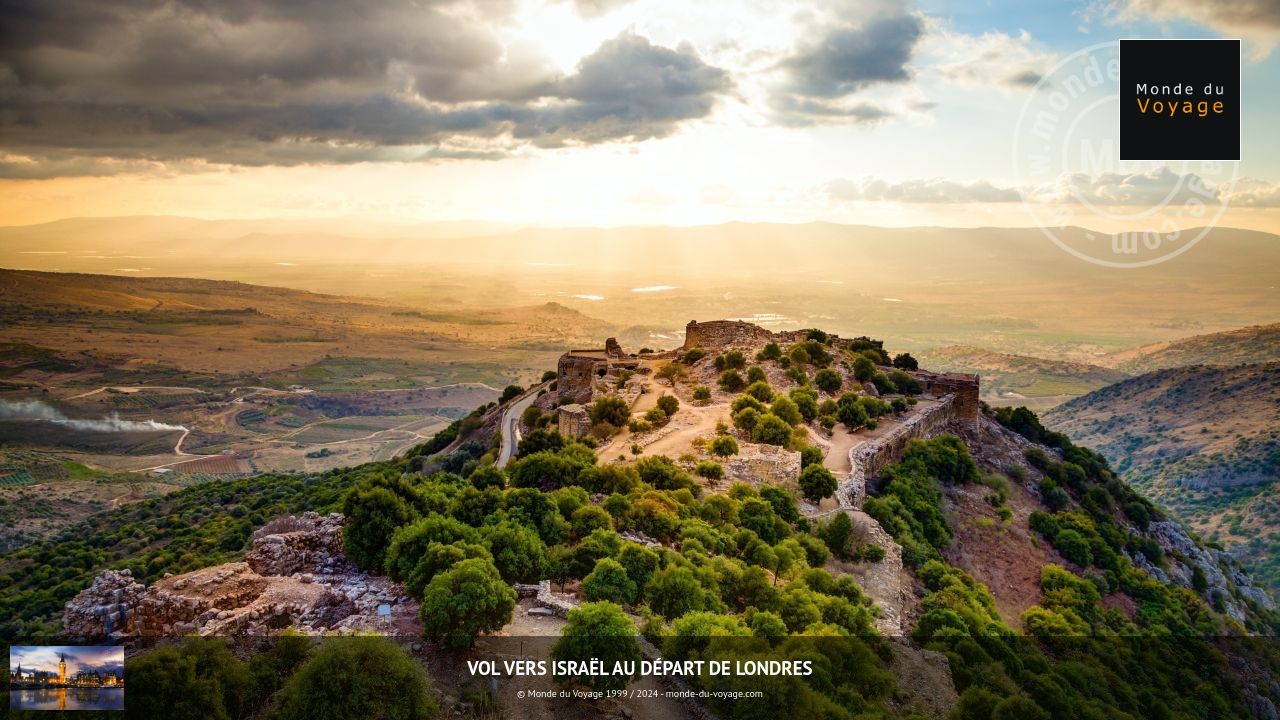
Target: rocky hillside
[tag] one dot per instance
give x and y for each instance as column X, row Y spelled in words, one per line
column 1202, row 441
column 1250, row 345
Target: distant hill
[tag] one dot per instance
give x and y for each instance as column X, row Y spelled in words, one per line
column 1255, row 344
column 159, row 326
column 1019, row 379
column 1202, row 440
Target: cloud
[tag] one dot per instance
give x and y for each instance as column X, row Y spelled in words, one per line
column 36, row 410
column 1252, row 193
column 1255, row 20
column 88, row 88
column 934, row 190
column 1160, row 186
column 821, row 76
column 992, row 59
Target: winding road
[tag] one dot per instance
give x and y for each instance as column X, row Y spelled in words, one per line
column 511, row 420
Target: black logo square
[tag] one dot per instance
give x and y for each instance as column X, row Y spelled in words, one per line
column 1180, row 99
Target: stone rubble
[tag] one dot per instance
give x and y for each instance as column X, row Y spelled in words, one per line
column 294, row 576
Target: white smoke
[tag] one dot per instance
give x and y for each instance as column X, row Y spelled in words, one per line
column 36, row 410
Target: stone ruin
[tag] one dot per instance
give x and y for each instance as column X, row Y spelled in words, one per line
column 294, row 575
column 573, row 421
column 578, row 371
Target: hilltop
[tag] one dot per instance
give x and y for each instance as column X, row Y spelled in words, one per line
column 1200, row 440
column 1254, row 344
column 838, row 492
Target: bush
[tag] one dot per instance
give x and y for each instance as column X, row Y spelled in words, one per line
column 461, row 603
column 518, row 553
column 357, row 677
column 1074, row 547
column 905, row 362
column 709, row 470
column 487, row 476
column 609, row 581
column 836, row 534
column 675, row 591
column 761, row 391
column 437, row 558
column 669, row 404
column 785, row 408
column 598, row 631
column 771, row 430
column 755, row 374
column 702, row 393
column 817, row 482
column 655, row 416
column 197, row 680
column 589, row 518
column 770, row 351
column 724, row 446
column 611, row 410
column 373, row 515
column 828, row 381
column 510, row 392
column 662, row 473
column 731, row 381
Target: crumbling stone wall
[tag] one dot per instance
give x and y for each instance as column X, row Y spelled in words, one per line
column 760, row 465
column 572, row 421
column 716, row 334
column 963, row 386
column 869, row 458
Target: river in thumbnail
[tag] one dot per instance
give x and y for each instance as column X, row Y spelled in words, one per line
column 76, row 698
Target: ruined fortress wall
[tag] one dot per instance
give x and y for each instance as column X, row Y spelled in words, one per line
column 869, row 458
column 577, row 373
column 724, row 334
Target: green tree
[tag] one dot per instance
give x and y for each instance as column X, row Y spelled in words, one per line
column 770, row 351
column 836, row 534
column 702, row 393
column 863, row 368
column 817, row 482
column 760, row 390
column 439, row 557
column 196, row 680
column 756, row 374
column 358, row 677
column 609, row 581
column 461, row 603
column 662, row 473
column 1073, row 547
column 669, row 404
column 675, row 591
column 731, row 381
column 373, row 515
column 510, row 392
column 785, row 408
column 771, row 430
column 904, row 361
column 598, row 631
column 589, row 518
column 828, row 381
column 518, row 553
column 610, row 409
column 724, row 446
column 709, row 470
column 487, row 476
column 410, row 542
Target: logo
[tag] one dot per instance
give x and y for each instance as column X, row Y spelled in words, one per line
column 1092, row 194
column 1179, row 99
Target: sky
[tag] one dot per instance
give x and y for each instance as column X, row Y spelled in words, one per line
column 80, row 658
column 603, row 112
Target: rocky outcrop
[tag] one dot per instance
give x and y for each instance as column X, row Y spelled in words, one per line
column 104, row 608
column 294, row 576
column 294, row 545
column 1186, row 556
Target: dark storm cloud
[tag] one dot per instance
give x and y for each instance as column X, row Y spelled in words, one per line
column 844, row 61
column 93, row 87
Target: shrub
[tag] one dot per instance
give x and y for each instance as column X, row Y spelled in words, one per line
column 589, row 518
column 518, row 553
column 609, row 581
column 731, row 381
column 755, row 374
column 437, row 558
column 197, row 680
column 1074, row 547
column 611, row 410
column 770, row 351
column 655, row 416
column 675, row 591
column 760, row 391
column 662, row 473
column 785, row 408
column 771, row 430
column 905, row 362
column 724, row 446
column 487, row 476
column 709, row 470
column 863, row 368
column 836, row 534
column 339, row 681
column 669, row 404
column 510, row 392
column 461, row 603
column 817, row 482
column 373, row 515
column 828, row 381
column 598, row 631
column 702, row 393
